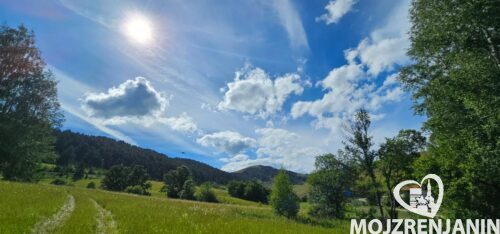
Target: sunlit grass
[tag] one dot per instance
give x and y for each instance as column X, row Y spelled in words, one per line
column 140, row 214
column 23, row 205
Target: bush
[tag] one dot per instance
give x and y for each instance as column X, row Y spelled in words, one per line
column 137, row 189
column 175, row 181
column 283, row 200
column 206, row 193
column 236, row 189
column 91, row 185
column 59, row 181
column 119, row 177
column 187, row 191
column 252, row 191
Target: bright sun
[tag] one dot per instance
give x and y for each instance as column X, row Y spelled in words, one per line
column 139, row 29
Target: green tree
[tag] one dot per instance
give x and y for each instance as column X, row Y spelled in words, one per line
column 254, row 191
column 206, row 193
column 132, row 180
column 283, row 200
column 396, row 160
column 328, row 183
column 454, row 79
column 29, row 109
column 116, row 178
column 358, row 145
column 188, row 190
column 236, row 189
column 175, row 179
column 79, row 173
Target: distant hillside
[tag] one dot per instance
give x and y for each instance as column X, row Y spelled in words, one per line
column 267, row 173
column 104, row 152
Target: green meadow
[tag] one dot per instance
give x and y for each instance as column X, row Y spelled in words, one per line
column 44, row 208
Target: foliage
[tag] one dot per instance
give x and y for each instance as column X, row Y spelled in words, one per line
column 236, row 188
column 329, row 182
column 175, row 181
column 29, row 108
column 455, row 46
column 283, row 200
column 91, row 185
column 396, row 159
column 251, row 190
column 59, row 181
column 206, row 193
column 139, row 189
column 120, row 177
column 79, row 173
column 102, row 152
column 358, row 146
column 188, row 190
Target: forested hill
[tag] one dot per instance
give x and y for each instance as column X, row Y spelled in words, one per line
column 267, row 173
column 103, row 152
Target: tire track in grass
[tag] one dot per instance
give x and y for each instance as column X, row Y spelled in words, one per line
column 58, row 219
column 105, row 222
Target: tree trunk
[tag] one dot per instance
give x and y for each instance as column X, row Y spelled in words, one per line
column 377, row 194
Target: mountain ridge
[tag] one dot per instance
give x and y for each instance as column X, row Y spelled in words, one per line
column 76, row 148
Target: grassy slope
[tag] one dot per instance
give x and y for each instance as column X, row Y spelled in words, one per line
column 141, row 214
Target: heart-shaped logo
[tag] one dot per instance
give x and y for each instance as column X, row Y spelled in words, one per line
column 420, row 203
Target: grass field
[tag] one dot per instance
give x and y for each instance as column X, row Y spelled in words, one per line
column 43, row 206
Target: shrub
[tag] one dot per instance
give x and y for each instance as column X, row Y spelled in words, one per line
column 175, row 180
column 119, row 178
column 187, row 191
column 206, row 193
column 59, row 181
column 252, row 191
column 91, row 185
column 236, row 189
column 137, row 189
column 283, row 200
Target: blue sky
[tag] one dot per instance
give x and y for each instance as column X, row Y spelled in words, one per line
column 228, row 83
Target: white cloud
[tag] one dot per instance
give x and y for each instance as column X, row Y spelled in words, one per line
column 336, row 9
column 183, row 123
column 227, row 141
column 290, row 19
column 387, row 45
column 132, row 99
column 354, row 85
column 278, row 148
column 254, row 92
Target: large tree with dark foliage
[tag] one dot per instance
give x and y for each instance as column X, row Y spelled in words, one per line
column 29, row 108
column 179, row 183
column 248, row 190
column 131, row 179
column 396, row 156
column 455, row 81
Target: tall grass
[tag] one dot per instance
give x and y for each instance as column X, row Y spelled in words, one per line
column 23, row 205
column 26, row 204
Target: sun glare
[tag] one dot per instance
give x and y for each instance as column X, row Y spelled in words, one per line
column 139, row 29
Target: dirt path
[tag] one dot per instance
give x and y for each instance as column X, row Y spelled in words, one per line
column 105, row 222
column 58, row 219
